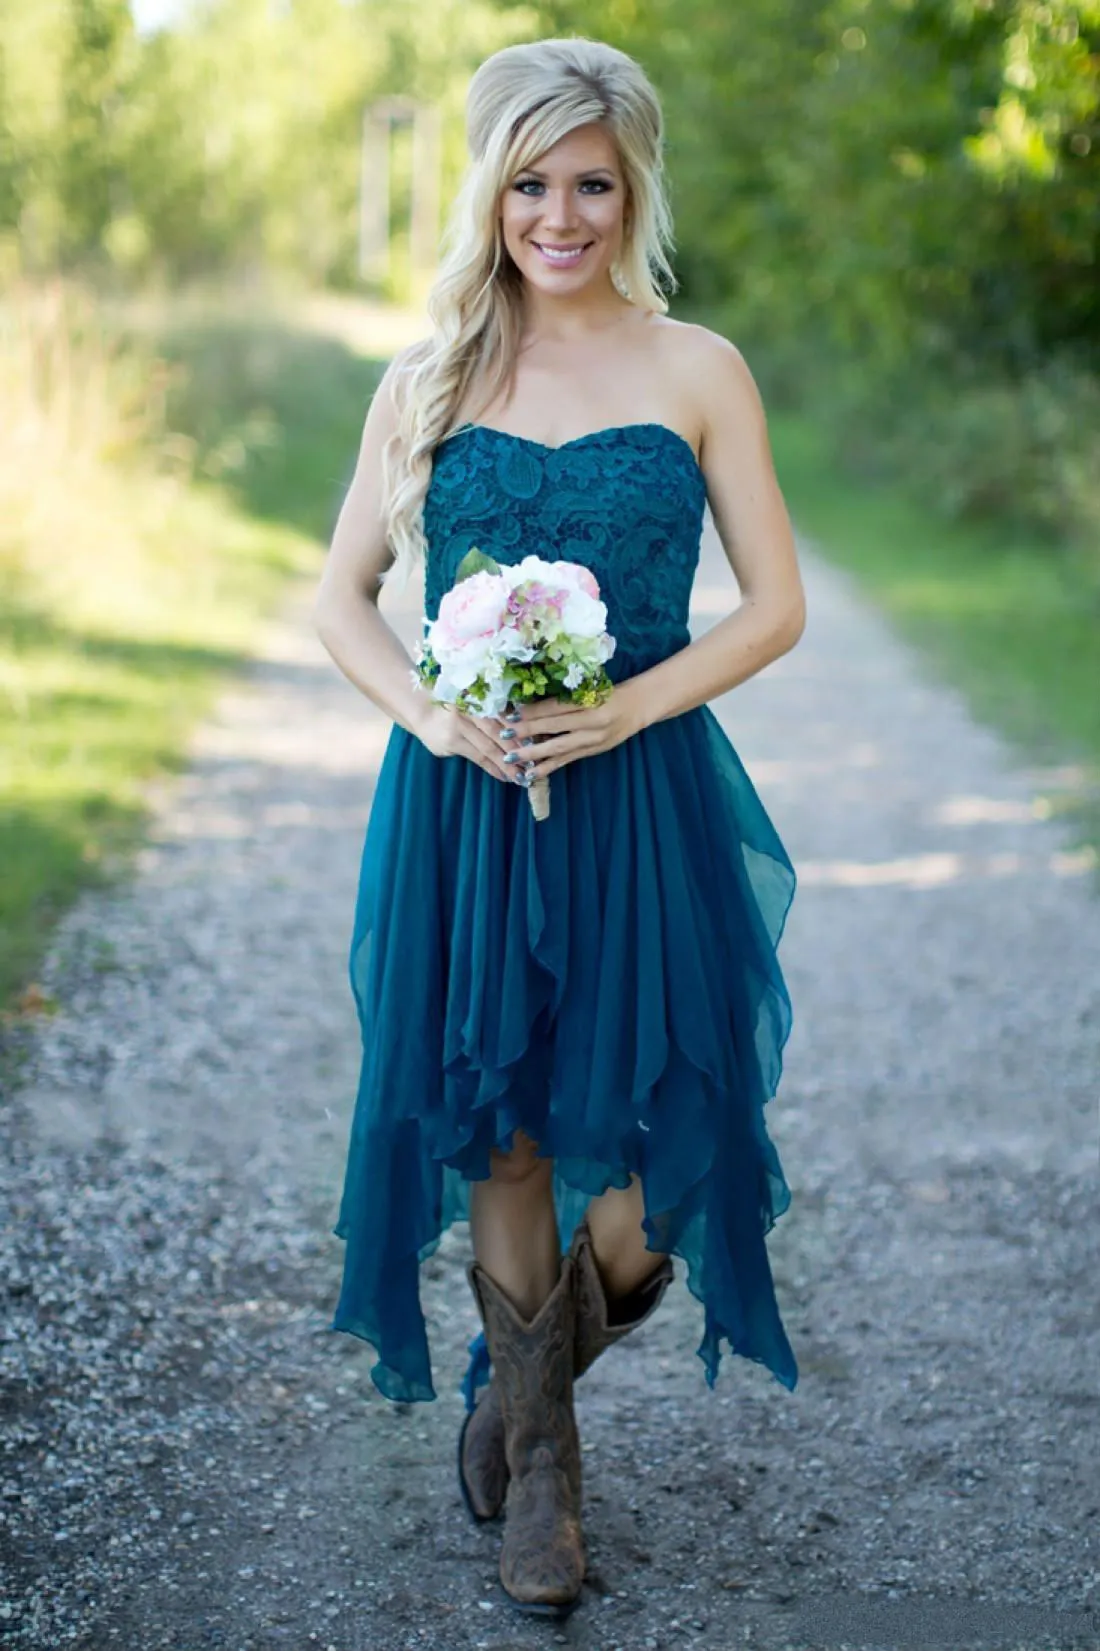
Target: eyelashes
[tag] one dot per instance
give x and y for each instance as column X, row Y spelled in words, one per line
column 600, row 186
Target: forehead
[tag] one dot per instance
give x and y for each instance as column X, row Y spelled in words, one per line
column 581, row 150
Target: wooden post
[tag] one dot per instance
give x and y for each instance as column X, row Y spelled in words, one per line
column 424, row 224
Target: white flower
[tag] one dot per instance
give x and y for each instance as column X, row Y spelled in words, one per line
column 583, row 615
column 509, row 644
column 574, row 676
column 531, row 567
column 466, row 665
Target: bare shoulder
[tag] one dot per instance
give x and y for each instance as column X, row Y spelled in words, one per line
column 387, row 398
column 400, row 365
column 719, row 378
column 712, row 378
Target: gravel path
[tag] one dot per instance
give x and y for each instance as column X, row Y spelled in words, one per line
column 190, row 1458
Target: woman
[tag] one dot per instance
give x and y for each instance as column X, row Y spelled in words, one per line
column 571, row 1027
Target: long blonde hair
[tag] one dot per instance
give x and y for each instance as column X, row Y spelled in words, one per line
column 521, row 101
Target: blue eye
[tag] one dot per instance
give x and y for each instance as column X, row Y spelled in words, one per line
column 526, row 185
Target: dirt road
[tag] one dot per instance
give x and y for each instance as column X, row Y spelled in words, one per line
column 191, row 1458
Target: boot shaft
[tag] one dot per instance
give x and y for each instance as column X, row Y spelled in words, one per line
column 533, row 1371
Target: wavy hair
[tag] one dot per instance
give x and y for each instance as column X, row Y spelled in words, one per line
column 521, row 101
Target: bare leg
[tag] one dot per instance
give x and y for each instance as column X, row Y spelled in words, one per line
column 514, row 1227
column 615, row 1222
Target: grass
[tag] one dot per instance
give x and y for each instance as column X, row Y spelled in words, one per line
column 156, row 496
column 1011, row 621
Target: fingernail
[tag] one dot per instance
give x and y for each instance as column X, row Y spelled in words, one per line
column 511, row 716
column 507, row 733
column 527, row 742
column 529, row 768
column 513, row 756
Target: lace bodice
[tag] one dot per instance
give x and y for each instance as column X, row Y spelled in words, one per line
column 627, row 501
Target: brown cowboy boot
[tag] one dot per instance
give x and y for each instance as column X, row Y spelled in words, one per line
column 482, row 1468
column 542, row 1557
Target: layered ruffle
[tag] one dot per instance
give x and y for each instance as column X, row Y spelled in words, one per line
column 607, row 980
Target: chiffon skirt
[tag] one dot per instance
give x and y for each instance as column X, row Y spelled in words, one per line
column 605, row 980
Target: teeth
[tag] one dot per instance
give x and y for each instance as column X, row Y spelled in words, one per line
column 560, row 256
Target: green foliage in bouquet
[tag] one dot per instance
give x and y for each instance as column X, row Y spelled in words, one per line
column 524, row 680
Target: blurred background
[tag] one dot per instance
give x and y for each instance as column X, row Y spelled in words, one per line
column 219, row 217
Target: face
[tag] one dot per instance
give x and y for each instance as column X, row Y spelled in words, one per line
column 563, row 216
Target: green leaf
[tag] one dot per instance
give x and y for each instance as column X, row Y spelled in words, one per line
column 475, row 561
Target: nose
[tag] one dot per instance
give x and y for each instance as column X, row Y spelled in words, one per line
column 557, row 208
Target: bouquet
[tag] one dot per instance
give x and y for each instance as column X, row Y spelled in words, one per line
column 509, row 635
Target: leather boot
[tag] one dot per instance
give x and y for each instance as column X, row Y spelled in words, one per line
column 542, row 1557
column 482, row 1468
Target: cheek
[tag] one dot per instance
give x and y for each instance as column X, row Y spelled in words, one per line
column 516, row 216
column 605, row 213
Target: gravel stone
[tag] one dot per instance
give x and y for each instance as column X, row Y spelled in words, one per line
column 189, row 1457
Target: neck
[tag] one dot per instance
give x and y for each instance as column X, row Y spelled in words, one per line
column 574, row 318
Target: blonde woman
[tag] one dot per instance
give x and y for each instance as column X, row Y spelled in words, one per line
column 572, row 1026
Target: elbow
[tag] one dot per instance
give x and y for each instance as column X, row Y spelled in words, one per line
column 319, row 616
column 792, row 624
column 335, row 610
column 796, row 621
column 324, row 615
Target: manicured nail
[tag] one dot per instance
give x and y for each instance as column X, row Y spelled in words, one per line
column 507, row 733
column 511, row 716
column 513, row 756
column 527, row 742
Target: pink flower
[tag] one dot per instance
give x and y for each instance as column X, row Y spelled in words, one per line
column 476, row 607
column 575, row 576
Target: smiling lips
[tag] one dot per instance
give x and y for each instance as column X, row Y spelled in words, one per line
column 562, row 256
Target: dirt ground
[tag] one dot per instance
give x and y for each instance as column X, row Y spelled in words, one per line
column 190, row 1457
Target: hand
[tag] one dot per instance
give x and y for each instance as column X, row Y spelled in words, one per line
column 450, row 733
column 563, row 732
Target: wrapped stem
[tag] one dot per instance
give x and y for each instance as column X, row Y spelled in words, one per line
column 538, row 795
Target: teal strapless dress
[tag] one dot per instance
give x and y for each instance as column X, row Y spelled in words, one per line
column 605, row 979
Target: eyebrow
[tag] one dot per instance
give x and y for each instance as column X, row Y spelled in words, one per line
column 595, row 171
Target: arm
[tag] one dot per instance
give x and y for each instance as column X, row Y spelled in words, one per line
column 756, row 535
column 755, row 531
column 345, row 610
column 347, row 619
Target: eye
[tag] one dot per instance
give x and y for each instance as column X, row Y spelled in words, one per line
column 529, row 186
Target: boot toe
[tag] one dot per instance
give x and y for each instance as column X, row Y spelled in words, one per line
column 542, row 1561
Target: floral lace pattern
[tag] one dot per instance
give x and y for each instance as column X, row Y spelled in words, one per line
column 627, row 502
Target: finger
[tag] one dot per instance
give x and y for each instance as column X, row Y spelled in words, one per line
column 563, row 722
column 506, row 775
column 571, row 745
column 543, row 771
column 499, row 736
column 546, row 710
column 489, row 753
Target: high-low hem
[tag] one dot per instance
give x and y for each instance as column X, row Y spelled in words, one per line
column 622, row 1006
column 395, row 1387
column 605, row 979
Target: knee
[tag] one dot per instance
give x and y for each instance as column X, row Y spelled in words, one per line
column 521, row 1165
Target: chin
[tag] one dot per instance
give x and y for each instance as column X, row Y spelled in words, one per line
column 589, row 273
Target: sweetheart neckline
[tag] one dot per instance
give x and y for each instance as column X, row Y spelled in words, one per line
column 589, row 435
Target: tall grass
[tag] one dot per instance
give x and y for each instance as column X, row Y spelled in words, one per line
column 155, row 494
